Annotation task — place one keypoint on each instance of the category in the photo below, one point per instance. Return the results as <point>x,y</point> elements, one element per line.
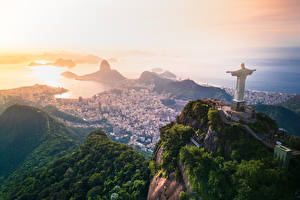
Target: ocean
<point>284,82</point>
<point>266,78</point>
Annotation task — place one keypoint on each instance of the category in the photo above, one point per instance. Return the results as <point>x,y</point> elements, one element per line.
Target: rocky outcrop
<point>158,155</point>
<point>104,75</point>
<point>165,188</point>
<point>187,183</point>
<point>210,140</point>
<point>185,178</point>
<point>162,188</point>
<point>104,67</point>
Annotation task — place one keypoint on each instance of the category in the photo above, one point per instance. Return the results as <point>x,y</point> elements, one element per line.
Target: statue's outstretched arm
<point>233,73</point>
<point>251,71</point>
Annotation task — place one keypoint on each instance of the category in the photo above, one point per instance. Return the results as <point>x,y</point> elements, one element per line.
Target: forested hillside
<point>30,138</point>
<point>99,169</point>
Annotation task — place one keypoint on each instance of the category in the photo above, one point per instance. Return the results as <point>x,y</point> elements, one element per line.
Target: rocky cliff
<point>161,187</point>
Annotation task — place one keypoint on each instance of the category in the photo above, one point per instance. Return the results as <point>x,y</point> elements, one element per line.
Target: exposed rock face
<point>163,189</point>
<point>185,178</point>
<point>104,66</point>
<point>158,155</point>
<point>210,143</point>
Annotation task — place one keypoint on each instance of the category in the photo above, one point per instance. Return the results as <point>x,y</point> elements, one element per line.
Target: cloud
<point>60,58</point>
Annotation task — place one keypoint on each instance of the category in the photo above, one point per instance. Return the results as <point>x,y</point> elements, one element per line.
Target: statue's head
<point>243,66</point>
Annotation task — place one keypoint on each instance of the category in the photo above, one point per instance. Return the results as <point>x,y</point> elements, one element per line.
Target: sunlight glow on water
<point>19,75</point>
<point>42,62</point>
<point>47,74</point>
<point>51,75</point>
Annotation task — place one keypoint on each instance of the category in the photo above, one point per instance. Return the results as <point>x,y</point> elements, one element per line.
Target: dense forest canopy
<point>99,169</point>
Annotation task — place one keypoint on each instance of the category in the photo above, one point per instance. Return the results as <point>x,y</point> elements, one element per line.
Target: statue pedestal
<point>238,105</point>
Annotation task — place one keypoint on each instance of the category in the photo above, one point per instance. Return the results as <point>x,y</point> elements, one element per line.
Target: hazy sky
<point>158,25</point>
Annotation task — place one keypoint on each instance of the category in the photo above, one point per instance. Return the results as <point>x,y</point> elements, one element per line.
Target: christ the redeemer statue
<point>241,75</point>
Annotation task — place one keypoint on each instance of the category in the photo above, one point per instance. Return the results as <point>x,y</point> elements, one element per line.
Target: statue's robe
<point>241,75</point>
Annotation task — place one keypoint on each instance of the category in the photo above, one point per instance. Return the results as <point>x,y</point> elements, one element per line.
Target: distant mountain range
<point>164,73</point>
<point>186,89</point>
<point>165,83</point>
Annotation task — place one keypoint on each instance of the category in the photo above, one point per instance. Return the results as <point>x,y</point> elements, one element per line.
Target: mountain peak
<point>147,76</point>
<point>17,112</point>
<point>104,66</point>
<point>168,74</point>
<point>105,74</point>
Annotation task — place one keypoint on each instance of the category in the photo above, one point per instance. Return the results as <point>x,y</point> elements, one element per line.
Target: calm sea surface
<point>285,82</point>
<point>13,76</point>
